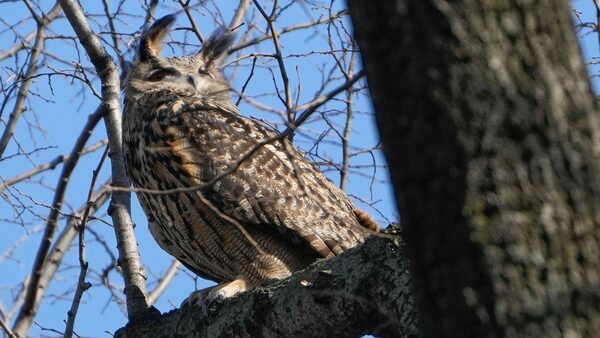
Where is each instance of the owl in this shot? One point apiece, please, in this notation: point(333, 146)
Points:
point(231, 199)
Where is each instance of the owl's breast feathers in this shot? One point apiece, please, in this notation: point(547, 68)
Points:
point(274, 200)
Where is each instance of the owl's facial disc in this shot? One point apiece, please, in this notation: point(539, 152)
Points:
point(184, 80)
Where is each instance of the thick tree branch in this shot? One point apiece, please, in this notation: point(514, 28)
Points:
point(129, 258)
point(365, 290)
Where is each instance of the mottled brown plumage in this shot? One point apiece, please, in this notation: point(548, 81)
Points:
point(248, 221)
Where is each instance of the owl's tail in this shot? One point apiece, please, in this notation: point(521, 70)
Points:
point(366, 220)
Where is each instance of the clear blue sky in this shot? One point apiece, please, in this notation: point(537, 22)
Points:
point(64, 110)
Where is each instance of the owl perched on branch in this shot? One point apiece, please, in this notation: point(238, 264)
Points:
point(229, 198)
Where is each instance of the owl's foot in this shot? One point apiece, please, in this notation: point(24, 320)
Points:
point(205, 297)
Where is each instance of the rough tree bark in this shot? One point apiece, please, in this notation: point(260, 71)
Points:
point(129, 257)
point(491, 131)
point(364, 290)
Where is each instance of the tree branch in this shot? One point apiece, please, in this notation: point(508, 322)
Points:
point(129, 258)
point(164, 281)
point(19, 107)
point(50, 165)
point(238, 16)
point(365, 290)
point(54, 259)
point(26, 312)
point(185, 5)
point(287, 102)
point(82, 285)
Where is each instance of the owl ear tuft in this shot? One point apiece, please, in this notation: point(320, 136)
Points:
point(151, 42)
point(214, 50)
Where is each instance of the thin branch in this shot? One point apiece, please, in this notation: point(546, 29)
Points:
point(32, 11)
point(82, 285)
point(6, 329)
point(237, 103)
point(25, 316)
point(287, 29)
point(50, 165)
point(19, 107)
point(240, 12)
point(313, 105)
point(347, 127)
point(279, 57)
point(164, 282)
point(67, 236)
point(150, 12)
point(19, 299)
point(23, 43)
point(113, 34)
point(186, 9)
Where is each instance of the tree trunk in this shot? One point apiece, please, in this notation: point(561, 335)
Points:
point(364, 290)
point(491, 131)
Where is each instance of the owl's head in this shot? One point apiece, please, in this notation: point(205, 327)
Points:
point(197, 75)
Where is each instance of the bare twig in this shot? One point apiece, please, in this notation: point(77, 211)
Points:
point(238, 17)
point(313, 105)
point(23, 43)
point(150, 11)
point(347, 127)
point(237, 103)
point(25, 316)
point(19, 106)
point(279, 57)
point(164, 282)
point(50, 165)
point(82, 285)
point(113, 34)
point(287, 29)
point(186, 9)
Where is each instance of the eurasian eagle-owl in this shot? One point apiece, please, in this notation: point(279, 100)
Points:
point(240, 210)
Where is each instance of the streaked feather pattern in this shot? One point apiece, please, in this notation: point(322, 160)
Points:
point(261, 218)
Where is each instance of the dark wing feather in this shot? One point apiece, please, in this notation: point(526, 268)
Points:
point(275, 188)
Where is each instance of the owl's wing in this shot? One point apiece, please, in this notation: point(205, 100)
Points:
point(275, 187)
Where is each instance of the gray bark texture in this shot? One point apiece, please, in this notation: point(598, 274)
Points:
point(119, 209)
point(491, 131)
point(365, 290)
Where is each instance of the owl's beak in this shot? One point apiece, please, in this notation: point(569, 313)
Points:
point(194, 80)
point(191, 80)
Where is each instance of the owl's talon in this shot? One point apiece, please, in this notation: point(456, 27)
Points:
point(204, 298)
